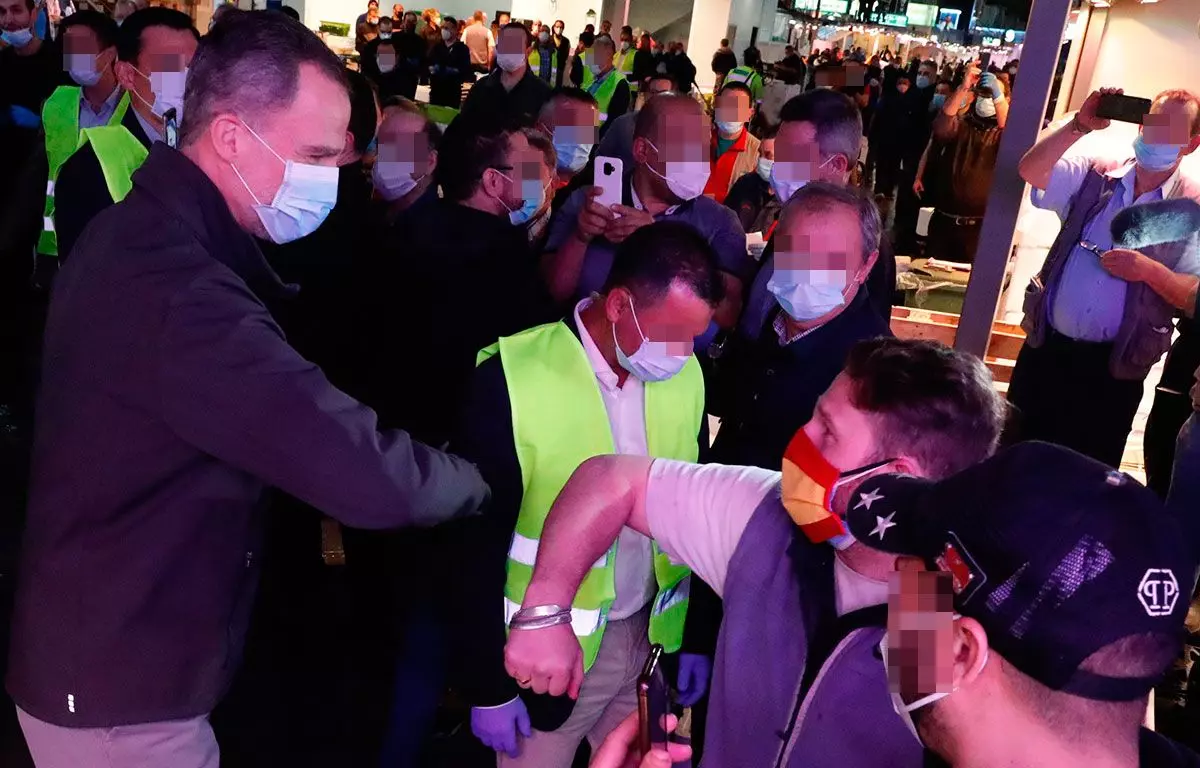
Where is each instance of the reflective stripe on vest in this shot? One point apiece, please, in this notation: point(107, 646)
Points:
point(559, 421)
point(119, 154)
point(603, 90)
point(535, 64)
point(60, 119)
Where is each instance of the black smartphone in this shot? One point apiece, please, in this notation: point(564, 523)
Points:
point(985, 62)
point(1127, 109)
point(654, 703)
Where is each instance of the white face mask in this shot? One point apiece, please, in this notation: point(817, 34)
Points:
point(905, 710)
point(651, 362)
point(395, 178)
point(510, 62)
point(764, 169)
point(785, 186)
point(985, 107)
point(729, 128)
point(806, 294)
point(685, 178)
point(303, 201)
point(168, 88)
point(447, 35)
point(82, 68)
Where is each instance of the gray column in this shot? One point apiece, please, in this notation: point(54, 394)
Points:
point(1043, 38)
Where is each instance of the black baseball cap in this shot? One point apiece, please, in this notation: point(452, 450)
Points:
point(1055, 554)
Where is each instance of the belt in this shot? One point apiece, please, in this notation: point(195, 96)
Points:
point(961, 221)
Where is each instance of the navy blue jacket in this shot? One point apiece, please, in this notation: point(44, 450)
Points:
point(169, 401)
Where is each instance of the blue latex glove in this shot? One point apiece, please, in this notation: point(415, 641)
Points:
point(497, 727)
point(694, 672)
point(992, 83)
point(24, 118)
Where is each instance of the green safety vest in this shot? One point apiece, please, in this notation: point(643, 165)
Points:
point(119, 153)
point(559, 421)
point(443, 116)
point(535, 64)
point(623, 63)
point(60, 117)
point(602, 90)
point(750, 77)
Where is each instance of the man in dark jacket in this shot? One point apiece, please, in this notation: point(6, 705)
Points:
point(159, 42)
point(449, 66)
point(723, 61)
point(170, 400)
point(512, 90)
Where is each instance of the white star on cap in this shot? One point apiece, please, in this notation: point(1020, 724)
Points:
point(882, 524)
point(867, 499)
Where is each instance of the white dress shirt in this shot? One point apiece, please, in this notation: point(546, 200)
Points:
point(627, 418)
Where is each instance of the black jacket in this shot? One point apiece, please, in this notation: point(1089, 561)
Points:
point(450, 68)
point(80, 193)
point(765, 392)
point(444, 299)
point(489, 97)
point(754, 202)
point(169, 401)
point(410, 64)
point(723, 62)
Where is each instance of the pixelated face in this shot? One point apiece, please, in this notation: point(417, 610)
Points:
point(822, 241)
point(920, 633)
point(766, 150)
point(846, 435)
point(80, 39)
point(798, 155)
point(402, 139)
point(671, 323)
point(602, 55)
point(732, 106)
point(1169, 122)
point(511, 41)
point(573, 122)
point(659, 86)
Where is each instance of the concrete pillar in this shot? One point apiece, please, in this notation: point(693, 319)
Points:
point(710, 23)
point(1043, 39)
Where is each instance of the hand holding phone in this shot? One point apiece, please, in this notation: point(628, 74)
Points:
point(609, 172)
point(1087, 116)
point(653, 703)
point(1118, 106)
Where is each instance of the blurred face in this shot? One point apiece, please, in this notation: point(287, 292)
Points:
point(402, 139)
point(927, 70)
point(798, 156)
point(163, 50)
point(602, 55)
point(511, 41)
point(766, 149)
point(943, 88)
point(571, 120)
point(385, 57)
point(673, 321)
point(681, 135)
point(15, 15)
point(82, 49)
point(902, 85)
point(450, 28)
point(312, 130)
point(521, 172)
point(732, 106)
point(606, 27)
point(659, 87)
point(558, 29)
point(1170, 123)
point(385, 26)
point(410, 21)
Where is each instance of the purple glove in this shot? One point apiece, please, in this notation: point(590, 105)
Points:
point(497, 727)
point(694, 672)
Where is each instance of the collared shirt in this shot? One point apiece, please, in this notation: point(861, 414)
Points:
point(91, 118)
point(626, 408)
point(152, 132)
point(785, 334)
point(1089, 303)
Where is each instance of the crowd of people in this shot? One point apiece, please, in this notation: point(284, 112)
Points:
point(356, 425)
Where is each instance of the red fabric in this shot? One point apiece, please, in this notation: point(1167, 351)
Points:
point(722, 167)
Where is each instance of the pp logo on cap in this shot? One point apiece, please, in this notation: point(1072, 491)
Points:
point(1158, 592)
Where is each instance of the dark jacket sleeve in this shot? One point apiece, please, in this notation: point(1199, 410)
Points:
point(620, 102)
point(461, 60)
point(230, 385)
point(703, 622)
point(485, 437)
point(881, 282)
point(80, 194)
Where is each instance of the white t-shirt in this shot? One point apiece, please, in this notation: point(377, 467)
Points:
point(698, 512)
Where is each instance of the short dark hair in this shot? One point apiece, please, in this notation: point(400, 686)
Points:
point(469, 147)
point(449, 20)
point(649, 115)
point(740, 87)
point(249, 64)
point(725, 42)
point(542, 142)
point(520, 26)
point(288, 10)
point(934, 403)
point(663, 76)
point(627, 30)
point(101, 24)
point(363, 115)
point(433, 132)
point(654, 257)
point(587, 38)
point(835, 116)
point(129, 35)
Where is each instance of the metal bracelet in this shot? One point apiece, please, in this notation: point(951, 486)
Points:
point(541, 623)
point(540, 611)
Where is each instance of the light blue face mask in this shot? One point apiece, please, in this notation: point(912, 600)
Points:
point(1155, 157)
point(985, 107)
point(533, 194)
point(652, 360)
point(939, 101)
point(572, 156)
point(922, 82)
point(18, 38)
point(729, 127)
point(305, 198)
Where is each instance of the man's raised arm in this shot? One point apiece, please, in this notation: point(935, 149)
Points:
point(604, 494)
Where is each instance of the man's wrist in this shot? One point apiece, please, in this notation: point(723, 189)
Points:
point(1079, 128)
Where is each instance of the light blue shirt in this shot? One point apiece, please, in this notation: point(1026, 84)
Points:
point(91, 118)
point(1089, 303)
point(152, 133)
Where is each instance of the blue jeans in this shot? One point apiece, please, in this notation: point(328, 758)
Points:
point(420, 675)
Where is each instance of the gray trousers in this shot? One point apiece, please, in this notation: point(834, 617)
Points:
point(608, 696)
point(174, 744)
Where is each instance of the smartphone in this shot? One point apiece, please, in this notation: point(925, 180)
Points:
point(985, 61)
point(1127, 109)
point(653, 703)
point(608, 174)
point(171, 134)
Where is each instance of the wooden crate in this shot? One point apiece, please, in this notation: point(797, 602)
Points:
point(1003, 346)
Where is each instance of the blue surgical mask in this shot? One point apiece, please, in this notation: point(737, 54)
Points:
point(394, 179)
point(82, 68)
point(939, 101)
point(729, 128)
point(1155, 157)
point(572, 156)
point(303, 201)
point(806, 294)
point(922, 81)
point(18, 38)
point(533, 194)
point(651, 361)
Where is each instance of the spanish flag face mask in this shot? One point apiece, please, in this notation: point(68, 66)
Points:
point(809, 484)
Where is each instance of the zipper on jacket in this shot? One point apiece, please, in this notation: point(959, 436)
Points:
point(803, 701)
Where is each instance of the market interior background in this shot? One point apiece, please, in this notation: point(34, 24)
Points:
point(1067, 48)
